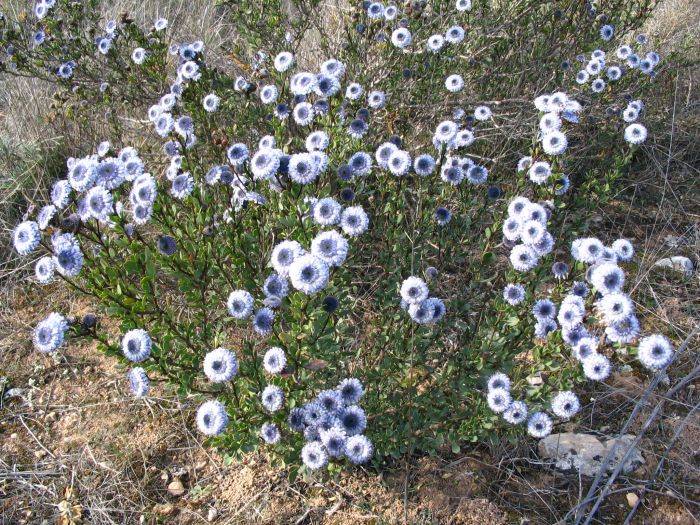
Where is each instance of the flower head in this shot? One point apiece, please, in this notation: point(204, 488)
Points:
point(607, 278)
point(303, 169)
point(220, 365)
point(240, 304)
point(263, 320)
point(330, 247)
point(565, 405)
point(401, 37)
point(353, 420)
point(635, 133)
point(354, 221)
point(309, 274)
point(314, 456)
point(139, 384)
point(284, 254)
point(274, 360)
point(26, 237)
point(272, 398)
point(212, 418)
point(49, 334)
point(498, 399)
point(655, 352)
point(513, 294)
point(516, 413)
point(596, 367)
point(270, 433)
point(539, 425)
point(44, 270)
point(136, 345)
point(358, 449)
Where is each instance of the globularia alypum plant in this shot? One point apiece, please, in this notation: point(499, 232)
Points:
point(364, 256)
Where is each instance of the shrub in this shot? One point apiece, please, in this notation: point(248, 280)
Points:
point(324, 256)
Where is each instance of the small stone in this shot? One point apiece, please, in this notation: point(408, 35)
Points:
point(176, 488)
point(13, 435)
point(632, 499)
point(200, 465)
point(677, 263)
point(40, 453)
point(212, 514)
point(535, 380)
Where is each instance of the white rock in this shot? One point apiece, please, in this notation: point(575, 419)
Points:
point(677, 263)
point(176, 488)
point(535, 379)
point(586, 453)
point(212, 514)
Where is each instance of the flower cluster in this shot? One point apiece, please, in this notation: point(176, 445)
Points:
point(615, 315)
point(333, 425)
point(415, 298)
point(527, 223)
point(564, 405)
point(599, 72)
point(557, 109)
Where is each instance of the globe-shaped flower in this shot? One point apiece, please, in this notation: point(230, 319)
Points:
point(309, 274)
point(136, 345)
point(220, 365)
point(212, 418)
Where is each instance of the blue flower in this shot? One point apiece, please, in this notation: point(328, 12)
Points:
point(139, 383)
point(263, 321)
point(353, 420)
point(358, 449)
point(272, 398)
point(539, 425)
point(274, 360)
point(212, 418)
point(26, 237)
point(270, 433)
point(565, 405)
point(49, 334)
point(655, 352)
point(309, 274)
point(354, 221)
point(314, 456)
point(136, 345)
point(303, 168)
point(220, 365)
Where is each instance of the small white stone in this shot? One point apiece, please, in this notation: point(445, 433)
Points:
point(677, 263)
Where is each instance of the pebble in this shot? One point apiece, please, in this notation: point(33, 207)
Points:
point(677, 263)
point(176, 488)
point(632, 499)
